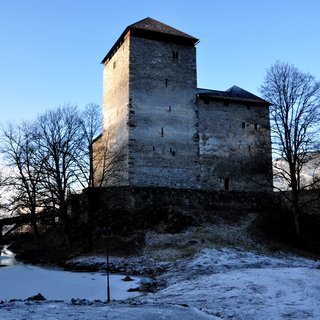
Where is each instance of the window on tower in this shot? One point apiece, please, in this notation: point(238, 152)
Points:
point(175, 55)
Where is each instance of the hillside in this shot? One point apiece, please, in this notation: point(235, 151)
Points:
point(198, 277)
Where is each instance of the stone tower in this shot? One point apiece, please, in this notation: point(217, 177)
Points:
point(149, 107)
point(159, 129)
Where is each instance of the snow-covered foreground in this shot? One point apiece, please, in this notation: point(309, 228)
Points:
point(235, 284)
point(23, 281)
point(216, 284)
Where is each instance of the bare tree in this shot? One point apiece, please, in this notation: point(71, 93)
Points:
point(294, 115)
point(3, 187)
point(60, 139)
point(107, 163)
point(91, 124)
point(19, 148)
point(97, 163)
point(53, 157)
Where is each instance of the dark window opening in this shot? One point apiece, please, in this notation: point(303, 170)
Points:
point(175, 55)
point(166, 83)
point(172, 152)
point(255, 126)
point(243, 125)
point(249, 147)
point(162, 131)
point(114, 64)
point(226, 184)
point(169, 109)
point(153, 148)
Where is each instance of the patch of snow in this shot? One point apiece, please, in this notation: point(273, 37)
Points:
point(236, 284)
point(98, 311)
point(218, 283)
point(22, 281)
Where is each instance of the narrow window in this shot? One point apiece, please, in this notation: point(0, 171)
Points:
point(114, 64)
point(249, 147)
point(153, 148)
point(169, 109)
point(255, 126)
point(243, 125)
point(162, 132)
point(175, 55)
point(166, 83)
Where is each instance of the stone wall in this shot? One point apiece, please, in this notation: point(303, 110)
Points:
point(133, 210)
point(115, 110)
point(233, 138)
point(141, 207)
point(167, 136)
point(162, 119)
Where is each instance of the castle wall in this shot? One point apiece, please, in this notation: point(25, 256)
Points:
point(162, 120)
point(235, 149)
point(157, 132)
point(131, 208)
point(115, 113)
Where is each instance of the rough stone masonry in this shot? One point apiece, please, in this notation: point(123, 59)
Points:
point(160, 129)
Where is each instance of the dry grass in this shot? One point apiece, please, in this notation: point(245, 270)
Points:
point(174, 246)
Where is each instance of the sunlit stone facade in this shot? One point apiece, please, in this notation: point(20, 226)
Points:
point(169, 132)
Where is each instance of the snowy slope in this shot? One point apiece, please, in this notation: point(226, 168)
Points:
point(235, 284)
point(218, 283)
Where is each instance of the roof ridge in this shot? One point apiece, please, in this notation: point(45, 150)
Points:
point(234, 93)
point(153, 29)
point(153, 25)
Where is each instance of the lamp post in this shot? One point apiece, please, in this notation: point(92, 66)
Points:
point(106, 232)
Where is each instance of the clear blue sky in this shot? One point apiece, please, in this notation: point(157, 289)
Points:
point(51, 49)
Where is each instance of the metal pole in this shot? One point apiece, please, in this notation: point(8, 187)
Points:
point(108, 279)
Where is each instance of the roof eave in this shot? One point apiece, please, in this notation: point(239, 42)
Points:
point(116, 44)
point(220, 98)
point(191, 41)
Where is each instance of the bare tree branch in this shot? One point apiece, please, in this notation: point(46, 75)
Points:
point(295, 98)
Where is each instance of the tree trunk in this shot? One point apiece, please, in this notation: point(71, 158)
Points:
point(296, 211)
point(66, 221)
point(34, 225)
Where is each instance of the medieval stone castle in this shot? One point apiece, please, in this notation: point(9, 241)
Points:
point(160, 129)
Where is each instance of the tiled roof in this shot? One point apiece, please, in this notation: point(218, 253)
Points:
point(233, 93)
point(149, 24)
point(153, 29)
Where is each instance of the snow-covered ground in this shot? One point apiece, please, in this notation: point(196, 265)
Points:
point(218, 283)
point(236, 284)
point(21, 281)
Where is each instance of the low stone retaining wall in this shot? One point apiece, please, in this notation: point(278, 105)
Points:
point(157, 203)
